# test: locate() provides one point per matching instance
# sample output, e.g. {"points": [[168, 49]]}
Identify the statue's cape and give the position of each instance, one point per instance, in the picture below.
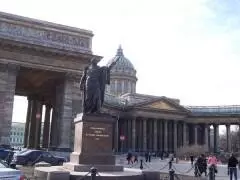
{"points": [[104, 79]]}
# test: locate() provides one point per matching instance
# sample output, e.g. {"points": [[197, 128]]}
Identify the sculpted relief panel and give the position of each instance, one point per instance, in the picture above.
{"points": [[161, 105], [18, 32]]}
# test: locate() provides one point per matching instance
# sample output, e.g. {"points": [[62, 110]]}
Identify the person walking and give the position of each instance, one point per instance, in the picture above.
{"points": [[129, 157], [147, 156], [192, 159], [232, 167]]}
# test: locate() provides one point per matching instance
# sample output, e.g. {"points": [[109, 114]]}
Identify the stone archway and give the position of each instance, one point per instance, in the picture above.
{"points": [[43, 61]]}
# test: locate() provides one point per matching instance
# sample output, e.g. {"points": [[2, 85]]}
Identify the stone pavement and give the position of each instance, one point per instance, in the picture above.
{"points": [[182, 167]]}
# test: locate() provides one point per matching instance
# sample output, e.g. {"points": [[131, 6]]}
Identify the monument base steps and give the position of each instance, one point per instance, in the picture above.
{"points": [[92, 148], [60, 173]]}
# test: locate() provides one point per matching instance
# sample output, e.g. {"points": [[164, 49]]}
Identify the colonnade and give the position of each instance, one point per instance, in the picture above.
{"points": [[61, 108], [164, 135], [159, 135], [33, 127]]}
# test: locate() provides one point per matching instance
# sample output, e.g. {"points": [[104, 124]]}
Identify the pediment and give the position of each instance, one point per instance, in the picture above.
{"points": [[163, 104]]}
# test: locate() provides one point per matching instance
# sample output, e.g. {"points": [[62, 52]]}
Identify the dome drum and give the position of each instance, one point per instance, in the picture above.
{"points": [[123, 75]]}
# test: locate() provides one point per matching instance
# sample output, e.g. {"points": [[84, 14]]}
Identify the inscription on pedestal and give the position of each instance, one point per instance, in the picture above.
{"points": [[97, 133], [97, 137], [93, 140]]}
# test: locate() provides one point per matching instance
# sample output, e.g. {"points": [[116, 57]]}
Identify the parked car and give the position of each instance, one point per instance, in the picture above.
{"points": [[9, 173], [5, 146], [32, 157], [6, 155]]}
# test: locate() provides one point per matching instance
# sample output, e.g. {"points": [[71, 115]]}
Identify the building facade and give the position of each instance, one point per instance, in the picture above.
{"points": [[159, 123], [17, 134]]}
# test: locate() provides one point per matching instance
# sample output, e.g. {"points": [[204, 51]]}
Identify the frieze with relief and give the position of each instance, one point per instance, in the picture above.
{"points": [[161, 106], [17, 31]]}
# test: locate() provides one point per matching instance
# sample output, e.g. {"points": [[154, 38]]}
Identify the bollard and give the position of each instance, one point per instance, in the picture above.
{"points": [[211, 173], [141, 164], [171, 174], [93, 173], [170, 165]]}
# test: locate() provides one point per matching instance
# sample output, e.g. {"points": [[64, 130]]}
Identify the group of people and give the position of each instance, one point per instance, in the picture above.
{"points": [[202, 163], [132, 158]]}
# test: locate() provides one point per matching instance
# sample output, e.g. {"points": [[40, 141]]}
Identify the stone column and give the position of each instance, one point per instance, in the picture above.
{"points": [[155, 135], [175, 136], [195, 134], [8, 74], [144, 135], [46, 127], [228, 134], [54, 129], [140, 135], [239, 137], [166, 136], [209, 139], [129, 133], [64, 111], [32, 124], [134, 133], [38, 124], [185, 134], [27, 122], [116, 136], [206, 136], [216, 137]]}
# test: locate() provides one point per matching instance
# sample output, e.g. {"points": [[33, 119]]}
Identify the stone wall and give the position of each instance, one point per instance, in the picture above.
{"points": [[7, 90]]}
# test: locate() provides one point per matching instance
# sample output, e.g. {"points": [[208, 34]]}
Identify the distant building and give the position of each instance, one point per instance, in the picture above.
{"points": [[17, 134]]}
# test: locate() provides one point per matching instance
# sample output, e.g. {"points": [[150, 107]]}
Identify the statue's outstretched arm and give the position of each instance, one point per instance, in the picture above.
{"points": [[112, 64]]}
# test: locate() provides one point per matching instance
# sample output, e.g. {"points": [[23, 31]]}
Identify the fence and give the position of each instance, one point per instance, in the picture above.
{"points": [[173, 173]]}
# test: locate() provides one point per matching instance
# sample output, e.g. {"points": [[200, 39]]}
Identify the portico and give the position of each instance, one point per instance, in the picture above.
{"points": [[44, 62]]}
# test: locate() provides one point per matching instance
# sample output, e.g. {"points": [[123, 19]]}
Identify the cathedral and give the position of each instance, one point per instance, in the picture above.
{"points": [[157, 123]]}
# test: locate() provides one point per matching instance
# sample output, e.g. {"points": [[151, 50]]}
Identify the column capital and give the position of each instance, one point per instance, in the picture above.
{"points": [[9, 67]]}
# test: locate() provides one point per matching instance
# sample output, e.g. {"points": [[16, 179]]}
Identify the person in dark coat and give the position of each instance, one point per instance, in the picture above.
{"points": [[232, 167], [191, 159], [129, 157], [201, 166], [147, 156]]}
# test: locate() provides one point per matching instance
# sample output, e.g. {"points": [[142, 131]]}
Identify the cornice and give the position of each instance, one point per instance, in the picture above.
{"points": [[35, 32]]}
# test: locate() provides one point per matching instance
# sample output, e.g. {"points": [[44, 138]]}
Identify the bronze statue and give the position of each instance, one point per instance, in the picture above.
{"points": [[93, 84]]}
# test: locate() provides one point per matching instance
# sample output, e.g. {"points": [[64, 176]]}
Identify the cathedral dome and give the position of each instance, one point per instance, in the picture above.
{"points": [[123, 75], [123, 65]]}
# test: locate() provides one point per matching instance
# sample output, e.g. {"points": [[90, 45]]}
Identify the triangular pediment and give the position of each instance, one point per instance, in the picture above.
{"points": [[164, 104], [161, 105]]}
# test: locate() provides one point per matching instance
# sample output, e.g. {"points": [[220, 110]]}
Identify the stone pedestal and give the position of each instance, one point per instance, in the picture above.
{"points": [[93, 142], [92, 148]]}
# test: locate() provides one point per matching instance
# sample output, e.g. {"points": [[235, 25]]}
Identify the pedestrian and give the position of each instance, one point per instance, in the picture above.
{"points": [[191, 159], [136, 158], [149, 157], [212, 161], [201, 166], [146, 156], [232, 167], [162, 154], [129, 157]]}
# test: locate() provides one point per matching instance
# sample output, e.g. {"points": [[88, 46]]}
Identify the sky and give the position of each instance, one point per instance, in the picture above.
{"points": [[186, 49]]}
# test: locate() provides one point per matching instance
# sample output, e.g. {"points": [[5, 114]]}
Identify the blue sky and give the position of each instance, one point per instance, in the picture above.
{"points": [[186, 49]]}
